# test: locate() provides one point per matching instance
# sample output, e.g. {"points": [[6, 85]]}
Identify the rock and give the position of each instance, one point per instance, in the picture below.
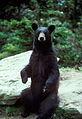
{"points": [[10, 81], [70, 89]]}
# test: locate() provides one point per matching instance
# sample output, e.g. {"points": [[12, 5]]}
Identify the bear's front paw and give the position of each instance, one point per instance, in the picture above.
{"points": [[24, 76], [24, 79]]}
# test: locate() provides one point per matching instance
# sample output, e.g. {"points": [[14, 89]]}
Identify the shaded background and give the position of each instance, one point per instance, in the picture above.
{"points": [[16, 34]]}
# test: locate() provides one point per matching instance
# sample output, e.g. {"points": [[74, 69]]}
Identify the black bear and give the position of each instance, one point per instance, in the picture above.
{"points": [[42, 96]]}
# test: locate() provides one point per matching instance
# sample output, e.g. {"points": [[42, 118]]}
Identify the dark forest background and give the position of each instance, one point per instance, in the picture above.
{"points": [[16, 34]]}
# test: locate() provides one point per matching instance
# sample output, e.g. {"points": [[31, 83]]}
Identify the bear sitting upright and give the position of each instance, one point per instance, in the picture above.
{"points": [[42, 96]]}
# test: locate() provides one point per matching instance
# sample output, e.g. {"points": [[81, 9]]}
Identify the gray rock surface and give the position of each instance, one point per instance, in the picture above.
{"points": [[70, 89], [10, 81]]}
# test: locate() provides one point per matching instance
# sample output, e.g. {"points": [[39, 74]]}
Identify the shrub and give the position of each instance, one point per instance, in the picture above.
{"points": [[69, 45], [15, 36]]}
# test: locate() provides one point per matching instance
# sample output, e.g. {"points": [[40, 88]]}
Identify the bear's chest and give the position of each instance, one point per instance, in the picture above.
{"points": [[39, 66], [42, 66]]}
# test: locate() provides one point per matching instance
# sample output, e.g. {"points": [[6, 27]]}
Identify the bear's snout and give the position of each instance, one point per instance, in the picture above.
{"points": [[41, 37]]}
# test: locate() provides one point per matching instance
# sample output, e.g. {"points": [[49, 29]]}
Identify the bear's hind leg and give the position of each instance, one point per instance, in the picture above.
{"points": [[27, 102], [48, 106]]}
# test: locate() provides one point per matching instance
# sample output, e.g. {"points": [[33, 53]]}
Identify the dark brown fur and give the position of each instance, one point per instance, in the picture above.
{"points": [[42, 96]]}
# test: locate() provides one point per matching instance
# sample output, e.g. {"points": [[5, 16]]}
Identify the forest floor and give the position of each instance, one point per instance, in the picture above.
{"points": [[7, 112]]}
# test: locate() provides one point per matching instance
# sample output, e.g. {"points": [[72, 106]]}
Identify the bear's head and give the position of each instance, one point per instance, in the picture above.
{"points": [[42, 37]]}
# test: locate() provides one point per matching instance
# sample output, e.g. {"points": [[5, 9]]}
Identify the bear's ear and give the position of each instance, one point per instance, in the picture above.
{"points": [[34, 26], [51, 28]]}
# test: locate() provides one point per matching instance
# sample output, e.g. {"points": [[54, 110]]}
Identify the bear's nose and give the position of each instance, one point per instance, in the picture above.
{"points": [[41, 38]]}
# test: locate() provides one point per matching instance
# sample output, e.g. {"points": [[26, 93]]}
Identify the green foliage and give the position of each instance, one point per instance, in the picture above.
{"points": [[15, 37], [11, 111], [62, 112], [65, 113], [17, 9], [69, 46], [4, 54]]}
